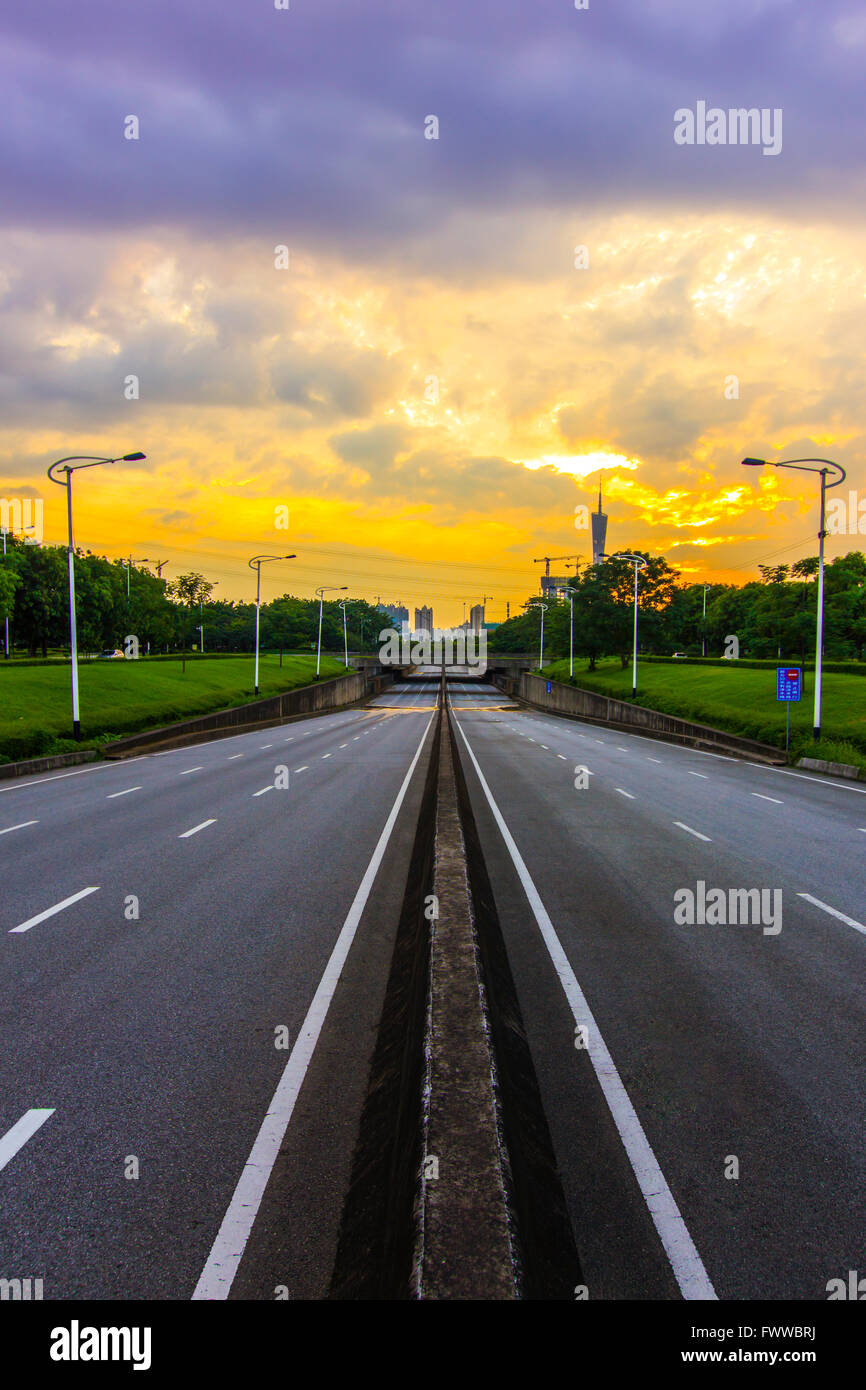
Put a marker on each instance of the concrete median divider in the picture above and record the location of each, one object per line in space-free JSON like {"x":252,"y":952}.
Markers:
{"x":455,"y":1193}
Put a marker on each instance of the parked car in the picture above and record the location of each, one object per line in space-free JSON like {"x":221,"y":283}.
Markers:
{"x":682,"y":654}
{"x":111,"y":654}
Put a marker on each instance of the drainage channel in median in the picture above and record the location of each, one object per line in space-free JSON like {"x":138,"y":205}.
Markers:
{"x":455,"y":1192}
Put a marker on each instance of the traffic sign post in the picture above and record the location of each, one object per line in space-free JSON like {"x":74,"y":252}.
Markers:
{"x":789,"y":686}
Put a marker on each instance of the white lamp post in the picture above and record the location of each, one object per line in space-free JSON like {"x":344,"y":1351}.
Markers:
{"x":256,"y":564}
{"x":639,"y":563}
{"x":325,"y":589}
{"x":801,"y":466}
{"x":68,"y":466}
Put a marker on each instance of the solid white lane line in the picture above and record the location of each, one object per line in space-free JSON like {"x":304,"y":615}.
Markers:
{"x":111,"y":795}
{"x":703,"y":775}
{"x":697,"y":834}
{"x":303,"y":768}
{"x":837,"y":784}
{"x":622,"y":793}
{"x":227,"y":1251}
{"x":21,"y":826}
{"x":16,"y":1137}
{"x":50,"y":912}
{"x":774,"y":799}
{"x":21,"y":786}
{"x":196,"y":828}
{"x":188,"y":770}
{"x":834,"y":912}
{"x":268,"y":788}
{"x":686,"y":1263}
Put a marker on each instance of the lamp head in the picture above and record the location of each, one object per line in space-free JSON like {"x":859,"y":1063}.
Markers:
{"x":132,"y":458}
{"x":752,"y":463}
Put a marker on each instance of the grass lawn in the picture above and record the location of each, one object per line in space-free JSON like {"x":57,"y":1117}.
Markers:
{"x":742,"y":700}
{"x":121,"y":697}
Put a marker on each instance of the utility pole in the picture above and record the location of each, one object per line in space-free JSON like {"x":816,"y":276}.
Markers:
{"x":706,"y":586}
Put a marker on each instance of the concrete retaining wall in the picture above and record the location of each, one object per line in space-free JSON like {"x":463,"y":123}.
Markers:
{"x":28,"y":765}
{"x":575,"y":703}
{"x":277,"y":709}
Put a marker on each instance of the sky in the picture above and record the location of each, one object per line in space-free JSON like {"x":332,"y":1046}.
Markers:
{"x":460,"y":335}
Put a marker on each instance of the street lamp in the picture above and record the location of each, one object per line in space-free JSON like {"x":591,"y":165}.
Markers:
{"x":256,"y":564}
{"x":798,"y":464}
{"x":325,"y":589}
{"x":639,"y":563}
{"x":343,"y":602}
{"x":68,"y":466}
{"x":6,"y":646}
{"x":160,"y":565}
{"x":543,"y":607}
{"x":201,"y":622}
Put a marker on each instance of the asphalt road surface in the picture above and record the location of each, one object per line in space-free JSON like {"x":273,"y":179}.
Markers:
{"x":157,"y":1045}
{"x":193,"y":958}
{"x":721,"y":1080}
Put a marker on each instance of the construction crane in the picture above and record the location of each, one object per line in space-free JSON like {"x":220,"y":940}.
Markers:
{"x":546,"y":559}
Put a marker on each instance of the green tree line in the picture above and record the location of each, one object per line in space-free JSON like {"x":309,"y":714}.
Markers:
{"x":770,"y":617}
{"x":165,"y":615}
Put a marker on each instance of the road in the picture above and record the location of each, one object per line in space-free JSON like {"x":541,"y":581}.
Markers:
{"x":729,"y":1048}
{"x":153,"y":1042}
{"x":169,"y":922}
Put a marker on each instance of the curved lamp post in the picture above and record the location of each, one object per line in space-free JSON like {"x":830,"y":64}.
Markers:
{"x":802,"y":466}
{"x":342,"y":603}
{"x":543,"y":606}
{"x":325,"y":589}
{"x":639,"y":563}
{"x":256,"y":564}
{"x":68,"y":466}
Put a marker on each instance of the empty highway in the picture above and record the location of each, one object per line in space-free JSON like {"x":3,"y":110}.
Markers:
{"x":194,"y":947}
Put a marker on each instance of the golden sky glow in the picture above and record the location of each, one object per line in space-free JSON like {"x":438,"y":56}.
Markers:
{"x":431,"y":438}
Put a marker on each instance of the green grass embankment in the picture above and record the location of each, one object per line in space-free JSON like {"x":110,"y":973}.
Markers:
{"x":740,"y":700}
{"x":124,"y":697}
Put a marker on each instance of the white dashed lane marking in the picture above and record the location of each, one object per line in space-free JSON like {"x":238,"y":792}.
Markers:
{"x":697,"y":834}
{"x":15,"y":1138}
{"x":834,"y":912}
{"x":196,"y":828}
{"x":50,"y":912}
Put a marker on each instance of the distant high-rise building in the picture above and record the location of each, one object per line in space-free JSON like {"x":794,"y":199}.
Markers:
{"x":424,"y":619}
{"x":598,"y":521}
{"x":554,"y":586}
{"x":396,"y":612}
{"x":476,"y":617}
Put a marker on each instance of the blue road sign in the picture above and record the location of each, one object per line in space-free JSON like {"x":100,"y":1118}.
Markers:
{"x":789,"y":683}
{"x":548,"y":687}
